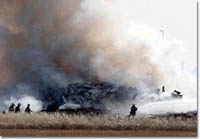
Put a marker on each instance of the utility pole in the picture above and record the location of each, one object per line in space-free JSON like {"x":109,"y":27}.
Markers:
{"x":163,"y":33}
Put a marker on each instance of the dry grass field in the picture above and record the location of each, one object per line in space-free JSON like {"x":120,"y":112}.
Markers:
{"x":43,"y":124}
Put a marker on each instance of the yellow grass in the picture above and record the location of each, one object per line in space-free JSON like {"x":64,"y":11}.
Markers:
{"x":106,"y":122}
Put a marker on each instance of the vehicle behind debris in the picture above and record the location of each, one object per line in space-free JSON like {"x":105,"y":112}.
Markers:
{"x":177,"y":94}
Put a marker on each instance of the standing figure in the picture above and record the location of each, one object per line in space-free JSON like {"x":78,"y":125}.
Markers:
{"x":163,"y":88}
{"x":133,"y":110}
{"x":17,"y":109}
{"x":11,"y":108}
{"x":28,"y":110}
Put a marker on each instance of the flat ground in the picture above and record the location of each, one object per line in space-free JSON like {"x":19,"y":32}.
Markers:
{"x":57,"y":124}
{"x":30,"y":132}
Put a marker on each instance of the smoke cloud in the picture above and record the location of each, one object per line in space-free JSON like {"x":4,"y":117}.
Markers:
{"x":56,"y":43}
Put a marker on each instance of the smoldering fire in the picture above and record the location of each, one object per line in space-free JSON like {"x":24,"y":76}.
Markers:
{"x":53,"y":44}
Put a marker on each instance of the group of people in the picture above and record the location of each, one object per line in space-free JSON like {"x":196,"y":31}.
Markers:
{"x":12,"y":108}
{"x":28,"y":109}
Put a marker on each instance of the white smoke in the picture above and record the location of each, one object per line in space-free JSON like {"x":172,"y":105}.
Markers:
{"x":168,"y":106}
{"x":24,"y":101}
{"x":57,"y":43}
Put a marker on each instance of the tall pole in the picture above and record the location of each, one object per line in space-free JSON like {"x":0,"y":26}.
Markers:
{"x":163,"y":33}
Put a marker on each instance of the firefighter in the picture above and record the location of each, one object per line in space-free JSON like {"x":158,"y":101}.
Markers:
{"x":28,"y":110}
{"x":163,"y":88}
{"x":17,"y":109}
{"x":11,"y":108}
{"x":133,"y":110}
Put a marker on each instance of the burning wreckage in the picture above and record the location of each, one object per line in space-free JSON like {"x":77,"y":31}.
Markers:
{"x":97,"y":98}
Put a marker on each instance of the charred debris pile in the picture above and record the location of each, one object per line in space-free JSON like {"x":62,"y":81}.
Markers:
{"x":86,"y":97}
{"x":103,"y":97}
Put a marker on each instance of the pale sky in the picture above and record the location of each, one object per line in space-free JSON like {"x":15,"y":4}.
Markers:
{"x":177,"y":17}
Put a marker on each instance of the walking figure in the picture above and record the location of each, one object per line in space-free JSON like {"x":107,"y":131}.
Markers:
{"x":11,"y":108}
{"x":133,"y":110}
{"x":28,"y":110}
{"x":17,"y":109}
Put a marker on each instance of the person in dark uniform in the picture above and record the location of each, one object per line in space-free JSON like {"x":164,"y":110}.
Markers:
{"x":17,"y":109}
{"x":11,"y":108}
{"x":163,"y":88}
{"x":133,"y":110}
{"x":28,"y":110}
